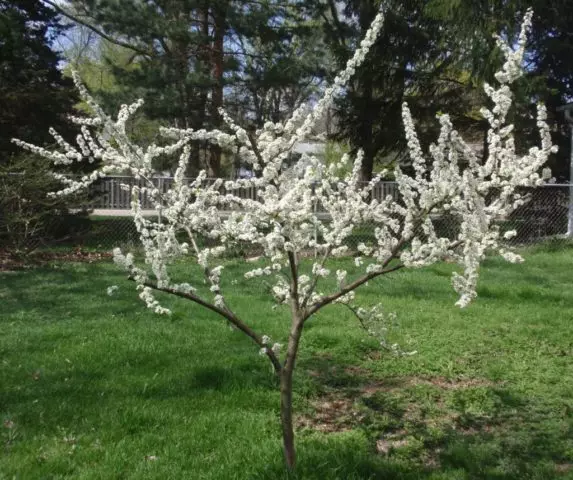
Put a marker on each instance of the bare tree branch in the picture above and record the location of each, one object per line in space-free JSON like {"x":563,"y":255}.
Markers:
{"x":225,"y":313}
{"x":348,"y":288}
{"x":101,"y":33}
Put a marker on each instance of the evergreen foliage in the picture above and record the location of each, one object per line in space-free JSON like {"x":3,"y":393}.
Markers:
{"x":33,"y":93}
{"x":409,"y":63}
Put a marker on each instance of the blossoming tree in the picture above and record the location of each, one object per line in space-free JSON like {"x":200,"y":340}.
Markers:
{"x":282,"y":221}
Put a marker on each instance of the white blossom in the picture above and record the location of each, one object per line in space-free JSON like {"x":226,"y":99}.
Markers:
{"x":112,"y":289}
{"x":511,"y":257}
{"x":340,"y":276}
{"x":147,"y":296}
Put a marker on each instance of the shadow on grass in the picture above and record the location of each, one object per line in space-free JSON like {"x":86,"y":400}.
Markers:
{"x":504,"y":440}
{"x":424,"y":427}
{"x":66,"y":395}
{"x":535,"y":296}
{"x":456,"y":456}
{"x":32,"y":290}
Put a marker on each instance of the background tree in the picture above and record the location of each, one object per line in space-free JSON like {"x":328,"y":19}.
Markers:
{"x":416,"y":68}
{"x":102,"y":64}
{"x":190,"y":54}
{"x":33,"y":92}
{"x":549,"y":72}
{"x":30,"y":217}
{"x":275,"y":78}
{"x":414,"y":59}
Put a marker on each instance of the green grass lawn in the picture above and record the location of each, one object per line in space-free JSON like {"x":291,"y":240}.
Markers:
{"x":98,"y":387}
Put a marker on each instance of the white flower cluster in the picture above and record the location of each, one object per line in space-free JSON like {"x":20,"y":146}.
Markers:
{"x":282,"y":219}
{"x":112,"y":289}
{"x":147,"y":296}
{"x":266,"y":341}
{"x":259,"y":272}
{"x":378,"y":324}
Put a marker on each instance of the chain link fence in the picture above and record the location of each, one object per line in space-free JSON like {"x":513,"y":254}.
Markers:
{"x":544,"y":217}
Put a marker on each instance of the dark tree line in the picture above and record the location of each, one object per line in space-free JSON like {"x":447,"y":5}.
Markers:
{"x":33,"y":93}
{"x":261,"y":58}
{"x":436,"y":54}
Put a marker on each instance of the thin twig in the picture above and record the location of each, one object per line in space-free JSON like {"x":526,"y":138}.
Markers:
{"x":364,"y":327}
{"x":99,"y":32}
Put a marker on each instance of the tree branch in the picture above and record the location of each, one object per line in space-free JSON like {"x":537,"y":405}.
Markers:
{"x":316,"y":278}
{"x":348,"y":288}
{"x":365,"y":327}
{"x":255,"y":149}
{"x":294,"y":280}
{"x":101,"y":33}
{"x":337,"y":23}
{"x":224,"y":312}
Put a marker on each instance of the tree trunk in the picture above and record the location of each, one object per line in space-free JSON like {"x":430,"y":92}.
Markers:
{"x":366,"y":128}
{"x":485,"y":152}
{"x":219,"y":17}
{"x":367,"y":109}
{"x":198,"y":106}
{"x":286,"y":419}
{"x":286,"y":391}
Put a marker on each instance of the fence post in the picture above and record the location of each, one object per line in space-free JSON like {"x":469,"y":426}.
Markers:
{"x":315,"y":210}
{"x":570,"y":212}
{"x":112,"y":192}
{"x":568,"y":113}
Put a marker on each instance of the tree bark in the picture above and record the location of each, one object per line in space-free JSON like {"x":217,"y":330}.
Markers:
{"x":197,"y":95}
{"x":366,"y":96}
{"x":286,"y":391}
{"x":219,"y":20}
{"x":286,"y":419}
{"x":367,"y":122}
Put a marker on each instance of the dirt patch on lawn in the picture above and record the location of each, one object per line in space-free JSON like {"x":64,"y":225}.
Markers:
{"x":564,"y":467}
{"x":11,"y":263}
{"x":331,"y":413}
{"x":391,"y":442}
{"x":449,"y":384}
{"x":343,"y":408}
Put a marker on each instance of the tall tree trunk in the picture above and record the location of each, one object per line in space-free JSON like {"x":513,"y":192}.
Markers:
{"x":219,"y":18}
{"x":366,"y":94}
{"x":286,"y":419}
{"x":366,"y":134}
{"x":198,"y":106}
{"x":485,"y":143}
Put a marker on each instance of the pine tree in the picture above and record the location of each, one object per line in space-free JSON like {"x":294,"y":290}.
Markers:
{"x":414,"y":60}
{"x":277,"y":76}
{"x":549,"y":76}
{"x":551,"y":71}
{"x":33,"y":93}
